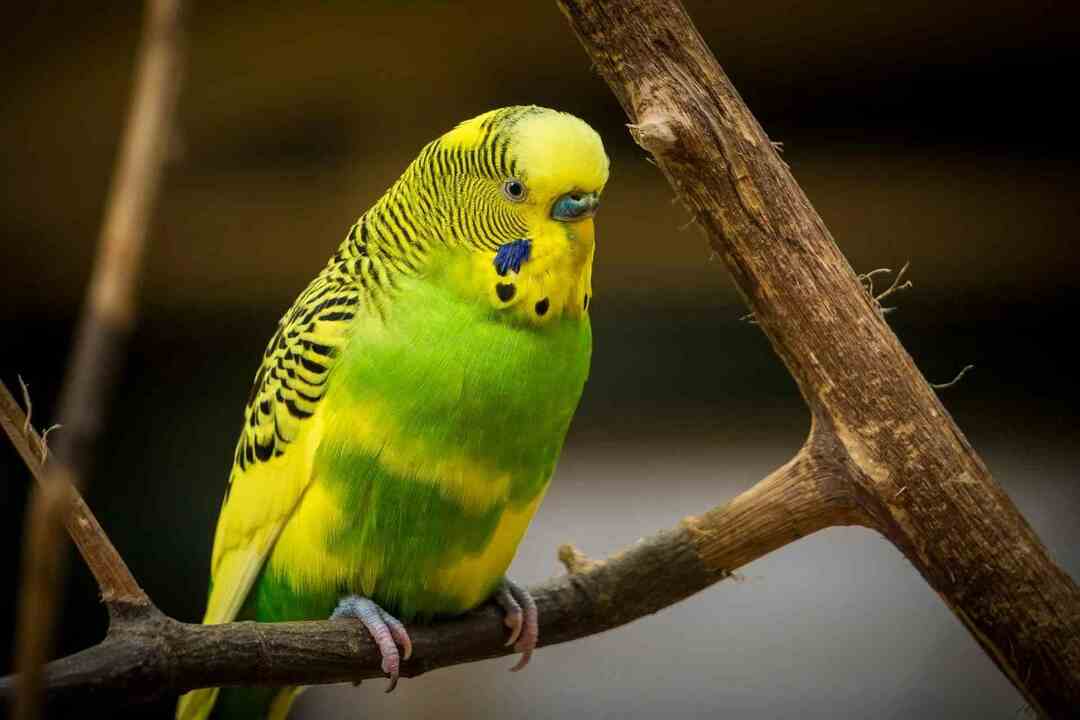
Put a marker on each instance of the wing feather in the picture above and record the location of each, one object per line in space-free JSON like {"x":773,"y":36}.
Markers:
{"x":274,"y":455}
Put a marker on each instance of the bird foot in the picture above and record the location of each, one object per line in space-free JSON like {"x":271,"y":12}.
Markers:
{"x":522,"y":619}
{"x":386,"y":630}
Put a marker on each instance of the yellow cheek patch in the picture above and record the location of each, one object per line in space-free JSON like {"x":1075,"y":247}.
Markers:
{"x":551,"y":284}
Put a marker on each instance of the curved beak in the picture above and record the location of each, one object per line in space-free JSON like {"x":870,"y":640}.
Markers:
{"x":574,"y":206}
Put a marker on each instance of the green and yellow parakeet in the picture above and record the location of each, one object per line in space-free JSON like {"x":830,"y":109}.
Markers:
{"x":408,"y":413}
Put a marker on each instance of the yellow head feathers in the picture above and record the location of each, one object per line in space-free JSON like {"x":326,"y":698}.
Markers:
{"x":558,"y":153}
{"x":550,"y":154}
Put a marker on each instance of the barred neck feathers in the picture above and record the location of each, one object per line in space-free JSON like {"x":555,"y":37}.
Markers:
{"x":486,"y":210}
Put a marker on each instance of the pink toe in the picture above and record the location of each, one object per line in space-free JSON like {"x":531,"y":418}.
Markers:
{"x":523,"y":619}
{"x":526,"y":656}
{"x":399,"y":633}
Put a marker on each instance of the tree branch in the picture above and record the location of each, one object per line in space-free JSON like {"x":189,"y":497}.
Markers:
{"x":914,"y":472}
{"x":117,"y":585}
{"x":148,"y":654}
{"x":882,"y":451}
{"x":109,"y":313}
{"x":100,"y":344}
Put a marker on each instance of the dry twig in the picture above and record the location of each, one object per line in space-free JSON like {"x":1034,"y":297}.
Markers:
{"x":959,"y":376}
{"x":100,"y":343}
{"x":867,"y":281}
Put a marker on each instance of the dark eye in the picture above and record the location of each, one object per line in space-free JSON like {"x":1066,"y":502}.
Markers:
{"x":514,"y":190}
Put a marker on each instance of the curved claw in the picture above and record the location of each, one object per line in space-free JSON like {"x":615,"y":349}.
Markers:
{"x":514,"y":619}
{"x":386,"y":630}
{"x":522,"y":618}
{"x":526,"y":656}
{"x":398,"y":632}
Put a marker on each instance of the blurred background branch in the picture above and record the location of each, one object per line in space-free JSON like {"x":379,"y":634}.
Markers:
{"x":96,"y":363}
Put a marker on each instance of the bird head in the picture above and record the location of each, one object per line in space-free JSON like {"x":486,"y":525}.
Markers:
{"x":520,"y":186}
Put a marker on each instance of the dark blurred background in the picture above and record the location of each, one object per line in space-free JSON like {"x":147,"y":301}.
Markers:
{"x":938,"y":133}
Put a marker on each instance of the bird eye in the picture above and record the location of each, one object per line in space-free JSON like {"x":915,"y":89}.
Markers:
{"x":514,"y":190}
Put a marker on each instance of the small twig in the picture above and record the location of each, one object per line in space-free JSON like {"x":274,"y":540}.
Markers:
{"x":867,"y":280}
{"x":959,"y":376}
{"x":28,"y":428}
{"x":896,"y":284}
{"x":45,"y":441}
{"x":113,"y":577}
{"x":26,"y":403}
{"x":41,"y":566}
{"x":575,"y":561}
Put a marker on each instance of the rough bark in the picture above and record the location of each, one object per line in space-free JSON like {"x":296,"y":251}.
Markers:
{"x":914,"y":474}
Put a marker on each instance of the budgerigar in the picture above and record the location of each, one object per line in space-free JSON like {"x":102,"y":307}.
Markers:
{"x":408,"y":413}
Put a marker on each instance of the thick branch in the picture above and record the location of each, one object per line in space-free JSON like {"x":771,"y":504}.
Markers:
{"x":915,"y":473}
{"x":150,"y":654}
{"x":100,"y":343}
